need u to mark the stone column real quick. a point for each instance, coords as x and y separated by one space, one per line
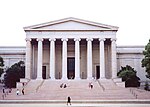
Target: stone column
102 58
28 59
89 58
64 59
113 58
52 58
77 58
40 57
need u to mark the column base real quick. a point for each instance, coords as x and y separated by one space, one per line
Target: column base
52 78
77 78
89 78
63 78
102 78
114 77
39 78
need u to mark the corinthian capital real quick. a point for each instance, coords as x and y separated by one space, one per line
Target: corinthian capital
89 39
113 39
64 39
102 39
39 39
52 39
77 39
28 39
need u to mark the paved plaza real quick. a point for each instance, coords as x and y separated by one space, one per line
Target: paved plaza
102 103
75 105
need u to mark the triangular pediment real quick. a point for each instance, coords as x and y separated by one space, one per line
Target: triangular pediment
71 24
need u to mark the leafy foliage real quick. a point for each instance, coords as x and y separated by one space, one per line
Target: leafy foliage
14 73
146 59
1 65
146 86
128 74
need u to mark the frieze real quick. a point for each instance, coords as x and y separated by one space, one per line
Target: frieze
70 34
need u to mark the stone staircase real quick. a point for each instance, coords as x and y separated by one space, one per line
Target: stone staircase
78 90
33 86
112 91
30 91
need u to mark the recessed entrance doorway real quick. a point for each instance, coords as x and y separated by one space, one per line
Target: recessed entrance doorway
97 72
70 67
44 72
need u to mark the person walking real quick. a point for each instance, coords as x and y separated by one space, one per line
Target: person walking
69 100
65 86
4 94
23 91
61 85
17 92
91 85
3 90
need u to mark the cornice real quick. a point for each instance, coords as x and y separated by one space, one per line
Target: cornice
34 27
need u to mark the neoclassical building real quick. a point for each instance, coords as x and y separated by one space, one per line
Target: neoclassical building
73 48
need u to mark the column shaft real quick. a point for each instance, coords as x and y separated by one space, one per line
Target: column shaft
52 58
102 59
89 58
28 59
64 59
40 57
114 58
77 58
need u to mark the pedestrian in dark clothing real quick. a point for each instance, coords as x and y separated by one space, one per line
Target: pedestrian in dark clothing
4 93
23 91
10 90
69 100
91 85
23 84
61 85
65 86
3 90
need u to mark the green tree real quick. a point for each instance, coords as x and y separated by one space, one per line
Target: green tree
128 74
14 73
146 59
1 65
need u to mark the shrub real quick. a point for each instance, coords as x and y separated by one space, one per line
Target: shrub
13 74
146 86
1 65
128 74
146 60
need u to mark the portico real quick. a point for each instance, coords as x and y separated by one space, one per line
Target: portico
88 45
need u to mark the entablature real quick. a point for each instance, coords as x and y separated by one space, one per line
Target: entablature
71 34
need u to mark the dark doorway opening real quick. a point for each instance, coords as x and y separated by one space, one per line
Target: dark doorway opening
97 72
71 67
44 72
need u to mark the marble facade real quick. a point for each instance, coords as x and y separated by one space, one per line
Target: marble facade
73 48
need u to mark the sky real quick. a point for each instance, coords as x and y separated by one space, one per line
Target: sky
131 16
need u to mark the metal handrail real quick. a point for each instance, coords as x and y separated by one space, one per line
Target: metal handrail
39 86
101 85
133 93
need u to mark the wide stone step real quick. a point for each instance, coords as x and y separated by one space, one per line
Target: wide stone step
50 90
